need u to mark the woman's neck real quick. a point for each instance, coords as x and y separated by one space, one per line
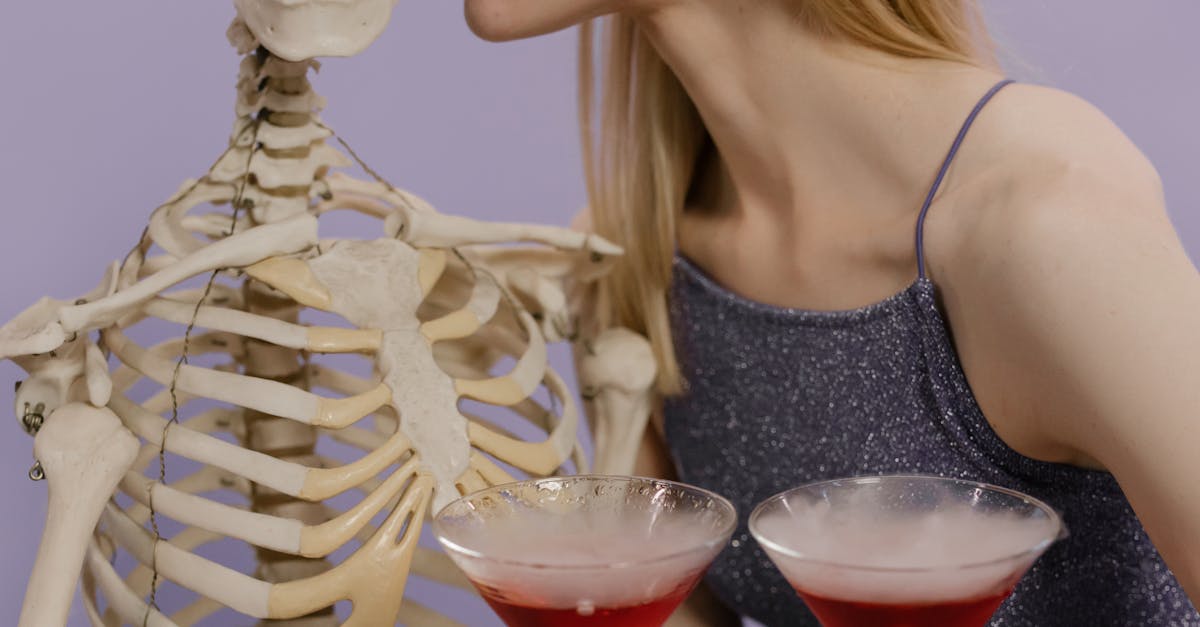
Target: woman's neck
805 125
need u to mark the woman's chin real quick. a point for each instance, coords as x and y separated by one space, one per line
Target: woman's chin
496 20
507 20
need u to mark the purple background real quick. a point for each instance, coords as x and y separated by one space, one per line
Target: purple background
108 106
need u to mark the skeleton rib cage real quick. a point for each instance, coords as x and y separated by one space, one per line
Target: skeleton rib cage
445 309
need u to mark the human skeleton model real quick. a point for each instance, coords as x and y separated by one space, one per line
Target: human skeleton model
436 305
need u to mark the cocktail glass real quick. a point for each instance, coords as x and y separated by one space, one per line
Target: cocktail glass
904 551
586 551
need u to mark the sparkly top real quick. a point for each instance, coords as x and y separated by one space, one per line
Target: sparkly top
781 397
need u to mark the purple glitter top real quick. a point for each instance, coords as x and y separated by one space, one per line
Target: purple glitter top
781 397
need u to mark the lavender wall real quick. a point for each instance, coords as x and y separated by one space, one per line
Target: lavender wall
108 106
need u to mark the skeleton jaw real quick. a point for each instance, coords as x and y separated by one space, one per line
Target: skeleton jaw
303 29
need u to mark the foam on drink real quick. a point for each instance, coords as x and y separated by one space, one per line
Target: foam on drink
586 546
864 553
590 559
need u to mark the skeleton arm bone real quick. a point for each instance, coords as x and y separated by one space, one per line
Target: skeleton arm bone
617 371
85 450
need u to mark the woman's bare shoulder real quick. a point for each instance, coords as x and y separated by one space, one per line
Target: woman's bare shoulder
1055 237
1043 166
1044 139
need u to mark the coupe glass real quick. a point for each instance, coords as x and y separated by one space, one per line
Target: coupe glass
904 551
594 551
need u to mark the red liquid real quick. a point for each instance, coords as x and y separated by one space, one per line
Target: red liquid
652 614
972 613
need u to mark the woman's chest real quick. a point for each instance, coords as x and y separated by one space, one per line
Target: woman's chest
851 390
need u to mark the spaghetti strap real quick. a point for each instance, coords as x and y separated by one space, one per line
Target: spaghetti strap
941 175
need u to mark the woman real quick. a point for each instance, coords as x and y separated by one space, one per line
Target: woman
765 163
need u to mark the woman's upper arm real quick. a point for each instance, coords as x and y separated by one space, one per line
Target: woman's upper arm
1087 291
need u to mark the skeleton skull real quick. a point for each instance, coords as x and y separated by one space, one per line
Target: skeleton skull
303 29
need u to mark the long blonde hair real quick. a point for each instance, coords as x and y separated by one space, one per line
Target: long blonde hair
640 152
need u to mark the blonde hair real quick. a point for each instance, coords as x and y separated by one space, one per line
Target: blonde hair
641 153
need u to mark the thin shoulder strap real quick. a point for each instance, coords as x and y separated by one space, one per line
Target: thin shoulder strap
941 175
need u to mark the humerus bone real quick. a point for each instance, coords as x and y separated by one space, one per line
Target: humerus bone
85 451
617 371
